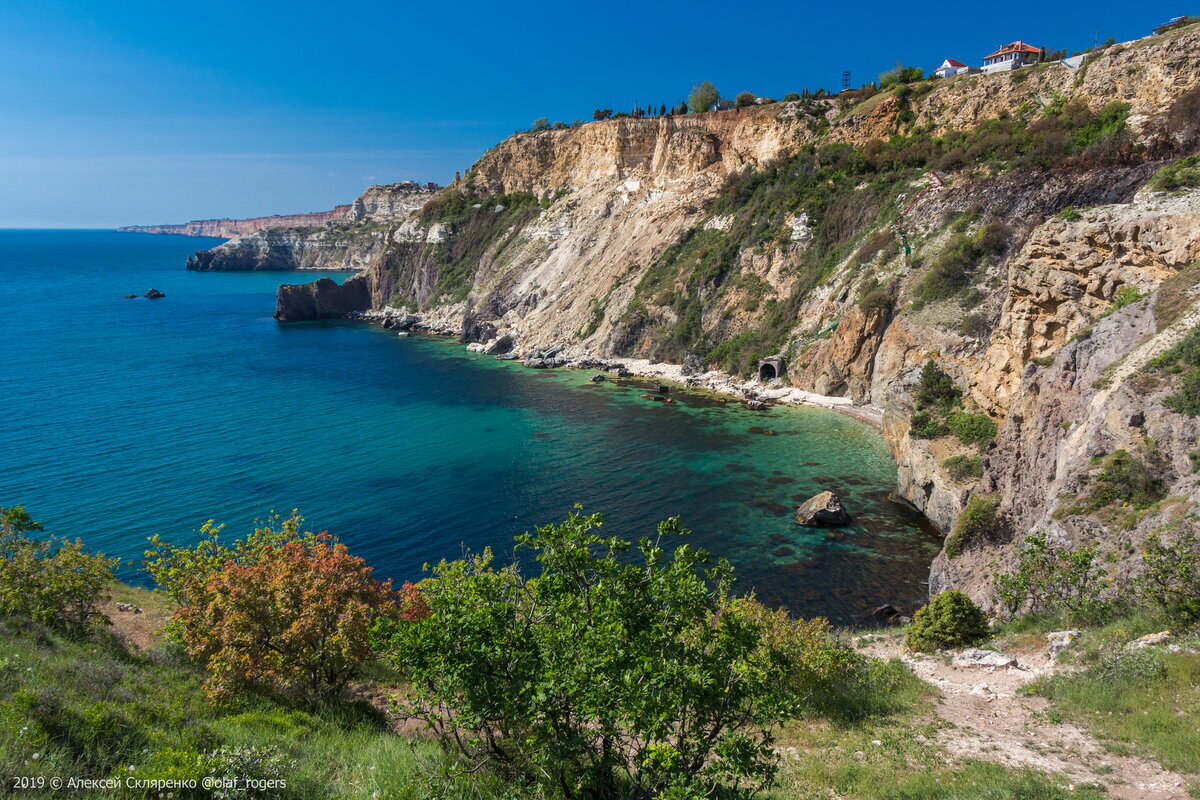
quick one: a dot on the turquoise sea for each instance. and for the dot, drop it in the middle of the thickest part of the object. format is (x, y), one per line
(123, 418)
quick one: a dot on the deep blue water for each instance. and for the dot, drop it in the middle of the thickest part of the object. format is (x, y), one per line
(123, 418)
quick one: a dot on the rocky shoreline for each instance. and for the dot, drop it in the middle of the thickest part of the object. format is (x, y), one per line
(756, 394)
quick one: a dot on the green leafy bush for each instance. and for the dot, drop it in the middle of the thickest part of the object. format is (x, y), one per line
(925, 426)
(980, 522)
(1128, 478)
(1049, 577)
(976, 429)
(1187, 399)
(619, 670)
(1184, 360)
(901, 74)
(955, 267)
(49, 580)
(951, 619)
(702, 97)
(935, 388)
(1183, 174)
(938, 402)
(1171, 578)
(1070, 214)
(964, 468)
(1124, 296)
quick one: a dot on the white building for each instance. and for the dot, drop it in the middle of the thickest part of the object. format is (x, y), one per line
(1011, 56)
(950, 67)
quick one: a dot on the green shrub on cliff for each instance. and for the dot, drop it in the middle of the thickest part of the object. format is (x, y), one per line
(1138, 480)
(1053, 578)
(951, 619)
(1171, 579)
(924, 425)
(1182, 174)
(939, 413)
(1183, 360)
(972, 429)
(964, 468)
(956, 266)
(49, 580)
(935, 388)
(620, 670)
(979, 523)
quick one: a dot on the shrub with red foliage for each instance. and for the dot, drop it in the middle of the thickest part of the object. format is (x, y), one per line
(296, 621)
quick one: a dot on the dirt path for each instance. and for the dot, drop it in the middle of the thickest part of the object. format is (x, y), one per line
(990, 721)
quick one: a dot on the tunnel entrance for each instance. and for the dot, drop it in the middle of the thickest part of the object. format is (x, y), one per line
(770, 368)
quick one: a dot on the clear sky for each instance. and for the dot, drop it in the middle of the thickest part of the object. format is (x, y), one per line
(142, 111)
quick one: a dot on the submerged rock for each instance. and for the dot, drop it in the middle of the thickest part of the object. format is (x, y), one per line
(598, 379)
(756, 405)
(822, 510)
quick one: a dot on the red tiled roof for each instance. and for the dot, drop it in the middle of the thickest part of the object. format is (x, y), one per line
(1014, 47)
(950, 62)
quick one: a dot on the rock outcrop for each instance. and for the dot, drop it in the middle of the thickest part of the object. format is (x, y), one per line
(322, 299)
(823, 510)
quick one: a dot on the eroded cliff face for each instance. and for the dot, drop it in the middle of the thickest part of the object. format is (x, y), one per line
(233, 228)
(731, 236)
(354, 240)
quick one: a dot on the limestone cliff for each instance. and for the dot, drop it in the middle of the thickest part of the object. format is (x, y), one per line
(991, 224)
(355, 240)
(233, 228)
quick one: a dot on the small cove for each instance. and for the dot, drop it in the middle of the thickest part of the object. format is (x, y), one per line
(125, 418)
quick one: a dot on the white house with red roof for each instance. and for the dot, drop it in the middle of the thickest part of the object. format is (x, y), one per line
(951, 67)
(1011, 56)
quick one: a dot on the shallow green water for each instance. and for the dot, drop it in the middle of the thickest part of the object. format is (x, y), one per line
(124, 418)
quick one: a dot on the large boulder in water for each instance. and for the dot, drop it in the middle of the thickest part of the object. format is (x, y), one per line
(154, 294)
(321, 299)
(824, 510)
(500, 345)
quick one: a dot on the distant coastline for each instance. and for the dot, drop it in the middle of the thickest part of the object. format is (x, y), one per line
(233, 228)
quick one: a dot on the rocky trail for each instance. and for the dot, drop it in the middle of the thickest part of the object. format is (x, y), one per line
(990, 720)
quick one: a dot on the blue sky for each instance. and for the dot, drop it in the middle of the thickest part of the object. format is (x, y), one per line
(139, 112)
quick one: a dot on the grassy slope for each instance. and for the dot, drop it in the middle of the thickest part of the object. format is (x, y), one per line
(102, 707)
(1147, 701)
(96, 708)
(894, 755)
